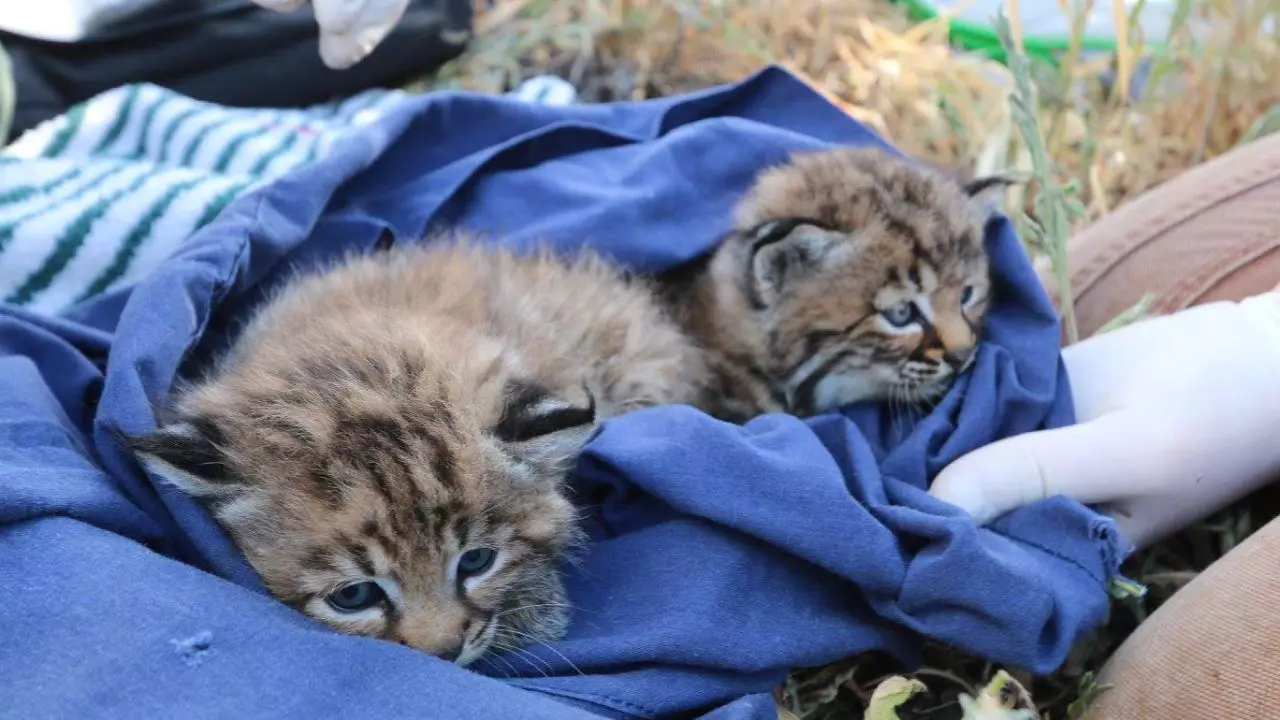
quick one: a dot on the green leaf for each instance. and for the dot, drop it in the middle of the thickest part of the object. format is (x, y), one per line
(1088, 693)
(1124, 588)
(1054, 208)
(1132, 315)
(1265, 125)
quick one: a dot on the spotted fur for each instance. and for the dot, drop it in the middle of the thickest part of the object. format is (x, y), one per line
(394, 418)
(850, 275)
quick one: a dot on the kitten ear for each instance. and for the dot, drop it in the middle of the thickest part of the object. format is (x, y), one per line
(547, 430)
(780, 251)
(987, 193)
(188, 454)
(533, 412)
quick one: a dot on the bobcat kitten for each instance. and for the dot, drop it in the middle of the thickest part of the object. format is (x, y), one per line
(387, 441)
(850, 275)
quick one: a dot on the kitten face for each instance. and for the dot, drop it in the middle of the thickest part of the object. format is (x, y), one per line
(386, 492)
(883, 325)
(867, 277)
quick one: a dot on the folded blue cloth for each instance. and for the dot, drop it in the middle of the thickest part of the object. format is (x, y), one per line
(722, 555)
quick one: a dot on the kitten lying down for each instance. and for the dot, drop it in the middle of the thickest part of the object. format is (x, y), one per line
(850, 274)
(388, 440)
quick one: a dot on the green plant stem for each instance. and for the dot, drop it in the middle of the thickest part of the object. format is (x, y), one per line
(1061, 228)
(1129, 316)
(1054, 208)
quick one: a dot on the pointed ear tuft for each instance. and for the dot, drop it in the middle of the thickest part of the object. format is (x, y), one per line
(987, 193)
(781, 251)
(189, 454)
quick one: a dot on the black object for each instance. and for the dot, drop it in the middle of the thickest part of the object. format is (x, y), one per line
(230, 52)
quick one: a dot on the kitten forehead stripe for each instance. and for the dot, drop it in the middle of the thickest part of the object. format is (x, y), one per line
(386, 429)
(317, 558)
(461, 529)
(326, 486)
(359, 554)
(382, 484)
(898, 225)
(442, 462)
(372, 530)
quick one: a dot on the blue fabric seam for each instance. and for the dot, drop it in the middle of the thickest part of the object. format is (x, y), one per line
(225, 281)
(1072, 561)
(602, 701)
(1116, 547)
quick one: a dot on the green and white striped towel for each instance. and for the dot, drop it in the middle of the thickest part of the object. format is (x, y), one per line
(94, 199)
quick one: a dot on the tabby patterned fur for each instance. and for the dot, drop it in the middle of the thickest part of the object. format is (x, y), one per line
(851, 274)
(387, 441)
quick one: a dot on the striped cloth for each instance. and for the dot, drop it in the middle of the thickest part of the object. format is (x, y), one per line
(94, 199)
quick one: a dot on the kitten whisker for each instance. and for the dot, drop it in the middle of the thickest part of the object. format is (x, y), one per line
(517, 651)
(549, 647)
(522, 608)
(492, 658)
(531, 658)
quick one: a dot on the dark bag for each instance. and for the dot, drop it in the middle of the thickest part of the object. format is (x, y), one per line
(230, 52)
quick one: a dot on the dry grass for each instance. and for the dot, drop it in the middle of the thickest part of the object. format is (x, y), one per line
(903, 79)
(1111, 126)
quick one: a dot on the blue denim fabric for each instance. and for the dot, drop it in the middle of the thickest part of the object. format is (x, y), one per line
(722, 554)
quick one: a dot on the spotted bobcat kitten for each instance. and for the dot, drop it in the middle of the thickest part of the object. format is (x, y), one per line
(850, 275)
(387, 441)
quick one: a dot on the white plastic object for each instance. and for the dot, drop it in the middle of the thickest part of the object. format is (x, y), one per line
(546, 90)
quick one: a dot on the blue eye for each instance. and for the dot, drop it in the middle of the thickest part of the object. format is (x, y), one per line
(356, 597)
(966, 294)
(899, 315)
(476, 562)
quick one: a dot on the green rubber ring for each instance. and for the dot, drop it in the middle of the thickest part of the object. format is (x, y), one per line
(983, 39)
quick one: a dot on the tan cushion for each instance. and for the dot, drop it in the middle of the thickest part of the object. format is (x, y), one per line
(1212, 652)
(1212, 233)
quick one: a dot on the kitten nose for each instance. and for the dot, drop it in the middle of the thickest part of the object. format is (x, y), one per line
(451, 654)
(958, 357)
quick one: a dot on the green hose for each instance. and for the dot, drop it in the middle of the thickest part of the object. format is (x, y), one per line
(982, 38)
